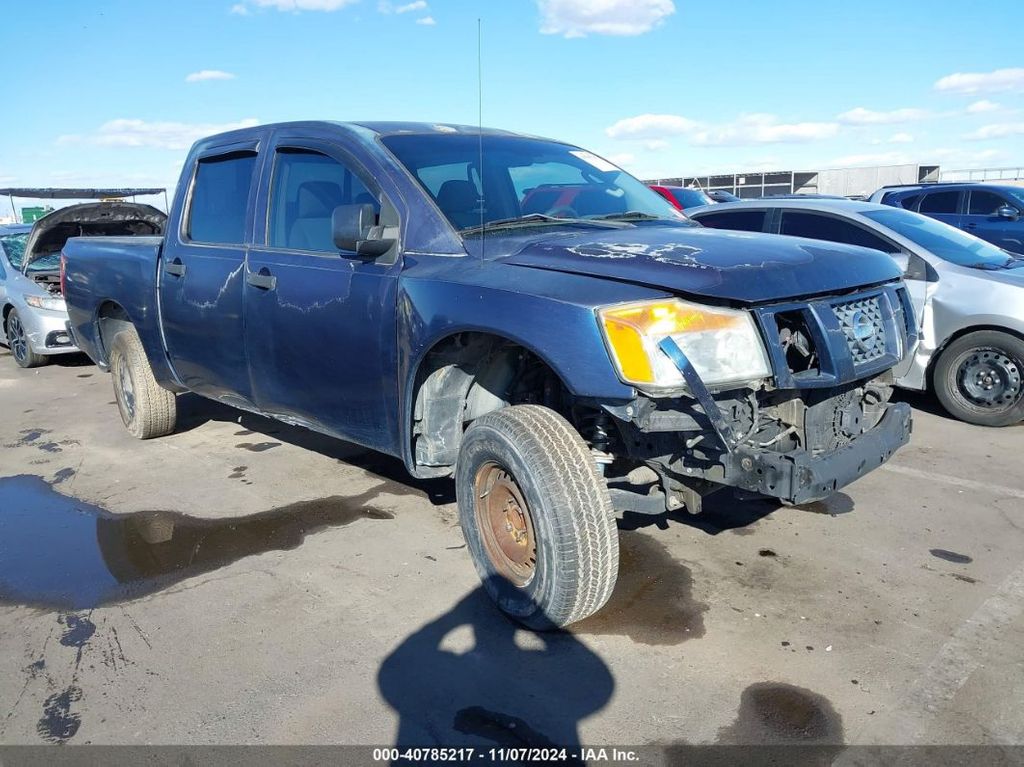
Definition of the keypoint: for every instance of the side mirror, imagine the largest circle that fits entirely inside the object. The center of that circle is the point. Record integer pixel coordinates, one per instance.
(1008, 211)
(355, 229)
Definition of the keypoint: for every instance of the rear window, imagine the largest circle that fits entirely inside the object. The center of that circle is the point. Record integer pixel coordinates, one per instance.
(819, 227)
(741, 220)
(690, 198)
(220, 199)
(940, 202)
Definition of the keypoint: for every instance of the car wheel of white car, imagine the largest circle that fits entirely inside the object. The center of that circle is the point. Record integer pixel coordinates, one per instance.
(17, 340)
(979, 378)
(147, 409)
(536, 516)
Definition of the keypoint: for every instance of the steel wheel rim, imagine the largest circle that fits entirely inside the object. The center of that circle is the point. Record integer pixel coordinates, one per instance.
(990, 379)
(505, 523)
(16, 338)
(126, 389)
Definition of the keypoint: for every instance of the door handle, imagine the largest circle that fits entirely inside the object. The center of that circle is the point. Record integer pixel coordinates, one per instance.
(176, 268)
(970, 226)
(262, 279)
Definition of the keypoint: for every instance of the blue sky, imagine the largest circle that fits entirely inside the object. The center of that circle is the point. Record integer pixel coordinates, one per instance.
(114, 92)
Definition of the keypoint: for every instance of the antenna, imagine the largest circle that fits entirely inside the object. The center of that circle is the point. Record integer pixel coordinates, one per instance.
(480, 125)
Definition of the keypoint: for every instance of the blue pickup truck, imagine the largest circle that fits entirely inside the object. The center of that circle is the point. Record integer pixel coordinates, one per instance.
(515, 312)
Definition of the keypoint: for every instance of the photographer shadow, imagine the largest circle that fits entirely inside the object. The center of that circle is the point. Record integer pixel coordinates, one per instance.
(473, 678)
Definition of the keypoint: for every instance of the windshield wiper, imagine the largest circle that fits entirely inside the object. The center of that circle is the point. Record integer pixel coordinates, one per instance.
(534, 219)
(631, 215)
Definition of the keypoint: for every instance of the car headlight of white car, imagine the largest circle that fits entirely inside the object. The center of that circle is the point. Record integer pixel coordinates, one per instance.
(722, 345)
(53, 303)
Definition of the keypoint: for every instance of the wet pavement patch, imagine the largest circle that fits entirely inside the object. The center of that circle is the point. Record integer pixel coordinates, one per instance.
(59, 723)
(85, 375)
(951, 556)
(27, 437)
(258, 447)
(653, 601)
(62, 553)
(62, 475)
(773, 713)
(78, 630)
(766, 553)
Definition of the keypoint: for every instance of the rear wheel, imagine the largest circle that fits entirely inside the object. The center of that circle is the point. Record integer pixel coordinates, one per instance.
(17, 340)
(536, 516)
(147, 409)
(979, 378)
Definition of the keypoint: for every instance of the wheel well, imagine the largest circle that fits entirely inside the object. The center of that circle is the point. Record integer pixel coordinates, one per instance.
(960, 334)
(110, 319)
(8, 308)
(466, 376)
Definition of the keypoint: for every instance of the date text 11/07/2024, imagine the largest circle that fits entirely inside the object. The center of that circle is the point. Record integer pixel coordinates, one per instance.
(435, 754)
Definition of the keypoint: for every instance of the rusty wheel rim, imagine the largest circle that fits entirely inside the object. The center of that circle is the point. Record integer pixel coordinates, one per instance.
(505, 524)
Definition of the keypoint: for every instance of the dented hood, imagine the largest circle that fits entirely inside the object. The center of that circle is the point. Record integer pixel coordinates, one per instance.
(90, 219)
(731, 266)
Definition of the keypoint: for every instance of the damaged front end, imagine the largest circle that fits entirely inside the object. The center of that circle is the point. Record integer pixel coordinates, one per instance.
(819, 420)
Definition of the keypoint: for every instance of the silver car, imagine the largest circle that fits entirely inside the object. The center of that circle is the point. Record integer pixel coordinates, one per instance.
(33, 312)
(968, 295)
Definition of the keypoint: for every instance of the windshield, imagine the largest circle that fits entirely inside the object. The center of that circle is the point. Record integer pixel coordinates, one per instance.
(523, 177)
(690, 198)
(946, 242)
(14, 247)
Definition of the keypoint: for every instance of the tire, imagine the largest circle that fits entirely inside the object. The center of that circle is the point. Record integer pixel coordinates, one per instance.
(565, 546)
(18, 343)
(979, 378)
(147, 409)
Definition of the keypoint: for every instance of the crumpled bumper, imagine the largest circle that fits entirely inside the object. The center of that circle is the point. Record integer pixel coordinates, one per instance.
(800, 477)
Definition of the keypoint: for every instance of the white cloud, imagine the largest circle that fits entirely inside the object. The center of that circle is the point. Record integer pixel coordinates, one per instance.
(900, 138)
(419, 5)
(426, 21)
(978, 82)
(979, 107)
(656, 145)
(157, 134)
(862, 116)
(763, 129)
(996, 130)
(649, 126)
(291, 5)
(208, 74)
(579, 18)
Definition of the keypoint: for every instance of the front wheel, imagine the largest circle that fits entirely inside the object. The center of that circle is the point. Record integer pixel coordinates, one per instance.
(979, 378)
(537, 517)
(147, 409)
(21, 348)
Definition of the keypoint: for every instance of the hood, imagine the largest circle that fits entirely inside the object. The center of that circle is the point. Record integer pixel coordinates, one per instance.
(103, 219)
(730, 266)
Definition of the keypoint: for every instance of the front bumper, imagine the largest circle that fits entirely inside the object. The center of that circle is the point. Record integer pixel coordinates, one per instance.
(800, 477)
(46, 330)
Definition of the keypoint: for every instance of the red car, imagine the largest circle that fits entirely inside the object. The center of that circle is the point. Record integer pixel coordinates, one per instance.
(683, 197)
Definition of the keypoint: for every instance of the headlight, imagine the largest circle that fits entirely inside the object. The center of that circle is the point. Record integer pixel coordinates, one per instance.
(722, 344)
(53, 303)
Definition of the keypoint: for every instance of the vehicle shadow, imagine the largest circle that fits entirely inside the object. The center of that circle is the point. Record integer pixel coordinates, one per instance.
(194, 411)
(471, 677)
(924, 401)
(722, 512)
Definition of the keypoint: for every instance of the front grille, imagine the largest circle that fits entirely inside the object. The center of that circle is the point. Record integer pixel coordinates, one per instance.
(862, 325)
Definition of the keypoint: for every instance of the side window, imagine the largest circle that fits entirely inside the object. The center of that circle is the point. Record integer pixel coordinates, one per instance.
(819, 227)
(940, 202)
(306, 188)
(740, 220)
(220, 199)
(985, 203)
(909, 202)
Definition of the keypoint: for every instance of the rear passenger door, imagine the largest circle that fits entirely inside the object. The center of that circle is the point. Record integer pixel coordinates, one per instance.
(943, 205)
(320, 322)
(982, 219)
(201, 275)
